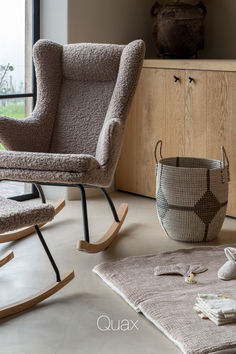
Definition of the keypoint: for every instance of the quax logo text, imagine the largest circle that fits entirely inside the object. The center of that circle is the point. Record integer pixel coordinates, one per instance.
(105, 323)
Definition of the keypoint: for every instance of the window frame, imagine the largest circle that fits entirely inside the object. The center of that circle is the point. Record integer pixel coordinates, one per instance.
(33, 93)
(35, 38)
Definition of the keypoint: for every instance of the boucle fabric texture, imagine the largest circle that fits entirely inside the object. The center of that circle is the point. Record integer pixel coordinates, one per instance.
(168, 302)
(15, 215)
(56, 176)
(91, 61)
(84, 105)
(84, 94)
(45, 161)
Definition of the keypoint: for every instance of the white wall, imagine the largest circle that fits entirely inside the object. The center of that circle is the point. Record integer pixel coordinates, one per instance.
(109, 21)
(54, 20)
(220, 29)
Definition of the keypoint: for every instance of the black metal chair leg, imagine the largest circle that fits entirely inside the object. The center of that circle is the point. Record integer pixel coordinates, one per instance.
(50, 257)
(28, 196)
(84, 211)
(112, 206)
(41, 193)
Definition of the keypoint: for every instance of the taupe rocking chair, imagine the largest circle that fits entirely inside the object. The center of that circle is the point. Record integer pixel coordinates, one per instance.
(74, 135)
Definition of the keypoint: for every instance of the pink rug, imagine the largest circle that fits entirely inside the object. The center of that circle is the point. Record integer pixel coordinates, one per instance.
(168, 301)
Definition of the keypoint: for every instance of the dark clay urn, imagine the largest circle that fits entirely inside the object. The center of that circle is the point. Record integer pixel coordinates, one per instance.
(178, 29)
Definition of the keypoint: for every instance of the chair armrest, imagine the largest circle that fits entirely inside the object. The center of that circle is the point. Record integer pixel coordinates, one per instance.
(109, 143)
(47, 161)
(19, 134)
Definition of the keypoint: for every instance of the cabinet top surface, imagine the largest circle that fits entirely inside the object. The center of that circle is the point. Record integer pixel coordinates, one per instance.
(192, 64)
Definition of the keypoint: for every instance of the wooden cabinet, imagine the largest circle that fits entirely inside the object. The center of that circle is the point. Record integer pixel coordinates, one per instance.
(191, 117)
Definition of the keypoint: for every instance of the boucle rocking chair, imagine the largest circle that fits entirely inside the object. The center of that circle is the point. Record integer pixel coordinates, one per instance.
(74, 135)
(14, 215)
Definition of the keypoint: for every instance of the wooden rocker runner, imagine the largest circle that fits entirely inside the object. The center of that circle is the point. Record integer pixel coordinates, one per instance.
(15, 215)
(109, 236)
(7, 257)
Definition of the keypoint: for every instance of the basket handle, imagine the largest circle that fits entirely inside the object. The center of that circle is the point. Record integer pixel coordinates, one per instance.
(159, 142)
(225, 161)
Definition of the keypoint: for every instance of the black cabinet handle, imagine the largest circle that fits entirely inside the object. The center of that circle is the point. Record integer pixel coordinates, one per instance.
(191, 79)
(176, 78)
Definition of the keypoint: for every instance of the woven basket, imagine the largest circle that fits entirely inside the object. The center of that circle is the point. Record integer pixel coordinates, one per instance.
(192, 196)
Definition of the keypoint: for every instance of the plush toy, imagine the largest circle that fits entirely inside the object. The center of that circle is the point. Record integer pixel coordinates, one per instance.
(228, 270)
(187, 270)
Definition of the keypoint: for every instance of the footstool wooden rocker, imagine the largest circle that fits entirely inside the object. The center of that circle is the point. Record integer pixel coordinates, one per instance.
(15, 215)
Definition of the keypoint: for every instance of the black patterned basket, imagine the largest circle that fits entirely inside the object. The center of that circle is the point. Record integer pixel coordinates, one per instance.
(191, 196)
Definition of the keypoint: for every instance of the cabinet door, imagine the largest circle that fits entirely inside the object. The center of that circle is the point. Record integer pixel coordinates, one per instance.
(150, 127)
(221, 124)
(174, 113)
(195, 136)
(157, 112)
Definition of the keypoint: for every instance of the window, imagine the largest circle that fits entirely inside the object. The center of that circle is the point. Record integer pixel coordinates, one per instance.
(19, 30)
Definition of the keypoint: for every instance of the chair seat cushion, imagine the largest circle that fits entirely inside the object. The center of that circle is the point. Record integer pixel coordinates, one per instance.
(15, 215)
(47, 161)
(96, 178)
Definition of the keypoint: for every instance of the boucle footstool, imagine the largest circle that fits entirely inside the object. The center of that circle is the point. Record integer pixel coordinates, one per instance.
(14, 215)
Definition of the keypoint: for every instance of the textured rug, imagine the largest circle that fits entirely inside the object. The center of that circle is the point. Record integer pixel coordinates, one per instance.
(168, 301)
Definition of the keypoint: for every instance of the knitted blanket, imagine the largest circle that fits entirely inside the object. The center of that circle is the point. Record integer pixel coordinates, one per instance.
(168, 301)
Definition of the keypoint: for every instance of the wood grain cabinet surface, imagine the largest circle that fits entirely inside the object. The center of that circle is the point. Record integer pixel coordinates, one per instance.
(191, 106)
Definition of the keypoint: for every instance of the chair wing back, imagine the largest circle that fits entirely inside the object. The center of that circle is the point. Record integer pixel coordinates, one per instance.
(83, 96)
(111, 136)
(34, 132)
(89, 73)
(47, 61)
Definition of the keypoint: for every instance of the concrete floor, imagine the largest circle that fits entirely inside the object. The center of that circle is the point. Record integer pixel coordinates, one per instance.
(67, 322)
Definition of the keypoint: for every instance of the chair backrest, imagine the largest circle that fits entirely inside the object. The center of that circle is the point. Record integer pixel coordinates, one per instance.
(76, 83)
